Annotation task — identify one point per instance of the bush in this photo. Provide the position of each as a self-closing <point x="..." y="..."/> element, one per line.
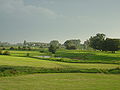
<point x="71" y="47"/>
<point x="11" y="48"/>
<point x="52" y="49"/>
<point x="3" y="48"/>
<point x="19" y="48"/>
<point x="28" y="54"/>
<point x="43" y="51"/>
<point x="6" y="53"/>
<point x="1" y="53"/>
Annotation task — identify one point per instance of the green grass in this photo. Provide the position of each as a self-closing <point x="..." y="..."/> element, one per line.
<point x="61" y="81"/>
<point x="24" y="53"/>
<point x="20" y="70"/>
<point x="26" y="61"/>
<point x="75" y="56"/>
<point x="89" y="56"/>
<point x="10" y="65"/>
<point x="60" y="73"/>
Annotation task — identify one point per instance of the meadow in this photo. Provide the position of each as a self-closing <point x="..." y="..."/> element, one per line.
<point x="73" y="70"/>
<point x="61" y="81"/>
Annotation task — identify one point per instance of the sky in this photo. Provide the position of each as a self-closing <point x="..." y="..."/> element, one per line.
<point x="46" y="20"/>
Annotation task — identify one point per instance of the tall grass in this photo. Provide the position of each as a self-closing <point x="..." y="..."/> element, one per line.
<point x="20" y="70"/>
<point x="89" y="56"/>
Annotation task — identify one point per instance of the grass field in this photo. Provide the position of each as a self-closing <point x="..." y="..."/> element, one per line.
<point x="86" y="73"/>
<point x="26" y="61"/>
<point x="90" y="56"/>
<point x="61" y="81"/>
<point x="75" y="56"/>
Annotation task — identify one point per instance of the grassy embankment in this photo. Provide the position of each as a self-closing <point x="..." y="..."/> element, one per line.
<point x="60" y="73"/>
<point x="75" y="56"/>
<point x="61" y="81"/>
<point x="18" y="63"/>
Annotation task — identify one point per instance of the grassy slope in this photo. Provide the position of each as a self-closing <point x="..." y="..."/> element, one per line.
<point x="77" y="56"/>
<point x="24" y="53"/>
<point x="24" y="61"/>
<point x="69" y="81"/>
<point x="90" y="56"/>
<point x="61" y="81"/>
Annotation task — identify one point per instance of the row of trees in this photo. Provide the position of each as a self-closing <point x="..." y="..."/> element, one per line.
<point x="35" y="44"/>
<point x="97" y="42"/>
<point x="69" y="44"/>
<point x="72" y="44"/>
<point x="100" y="42"/>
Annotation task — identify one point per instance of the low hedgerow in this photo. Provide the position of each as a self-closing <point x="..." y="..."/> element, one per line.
<point x="69" y="60"/>
<point x="20" y="70"/>
<point x="1" y="52"/>
<point x="4" y="53"/>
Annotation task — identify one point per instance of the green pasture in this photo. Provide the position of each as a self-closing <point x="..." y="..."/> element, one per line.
<point x="11" y="65"/>
<point x="77" y="56"/>
<point x="24" y="53"/>
<point x="89" y="56"/>
<point x="61" y="81"/>
<point x="26" y="61"/>
<point x="86" y="73"/>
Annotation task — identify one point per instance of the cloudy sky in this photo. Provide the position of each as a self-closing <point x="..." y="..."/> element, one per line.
<point x="46" y="20"/>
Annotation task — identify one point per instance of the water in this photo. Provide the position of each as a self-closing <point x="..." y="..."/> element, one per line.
<point x="44" y="56"/>
<point x="47" y="57"/>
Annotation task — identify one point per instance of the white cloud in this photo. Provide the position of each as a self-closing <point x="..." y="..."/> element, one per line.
<point x="17" y="7"/>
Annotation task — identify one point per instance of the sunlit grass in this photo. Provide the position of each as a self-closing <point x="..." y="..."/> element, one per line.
<point x="63" y="81"/>
<point x="26" y="61"/>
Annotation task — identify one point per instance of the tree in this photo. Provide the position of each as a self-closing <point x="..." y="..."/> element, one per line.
<point x="111" y="45"/>
<point x="72" y="44"/>
<point x="96" y="41"/>
<point x="3" y="48"/>
<point x="11" y="48"/>
<point x="19" y="48"/>
<point x="25" y="43"/>
<point x="54" y="45"/>
<point x="52" y="49"/>
<point x="86" y="44"/>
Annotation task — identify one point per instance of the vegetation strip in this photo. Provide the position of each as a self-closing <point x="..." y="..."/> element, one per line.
<point x="20" y="70"/>
<point x="69" y="60"/>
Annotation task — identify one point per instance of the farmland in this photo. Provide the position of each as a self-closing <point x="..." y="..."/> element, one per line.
<point x="61" y="81"/>
<point x="59" y="45"/>
<point x="75" y="68"/>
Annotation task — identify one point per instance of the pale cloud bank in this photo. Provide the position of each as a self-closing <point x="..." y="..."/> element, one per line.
<point x="45" y="20"/>
<point x="18" y="8"/>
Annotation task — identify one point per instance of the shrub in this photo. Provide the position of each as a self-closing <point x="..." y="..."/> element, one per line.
<point x="6" y="53"/>
<point x="29" y="48"/>
<point x="3" y="48"/>
<point x="41" y="51"/>
<point x="11" y="48"/>
<point x="19" y="48"/>
<point x="1" y="53"/>
<point x="28" y="54"/>
<point x="52" y="49"/>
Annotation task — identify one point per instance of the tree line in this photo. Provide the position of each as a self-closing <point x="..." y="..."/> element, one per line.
<point x="102" y="43"/>
<point x="97" y="42"/>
